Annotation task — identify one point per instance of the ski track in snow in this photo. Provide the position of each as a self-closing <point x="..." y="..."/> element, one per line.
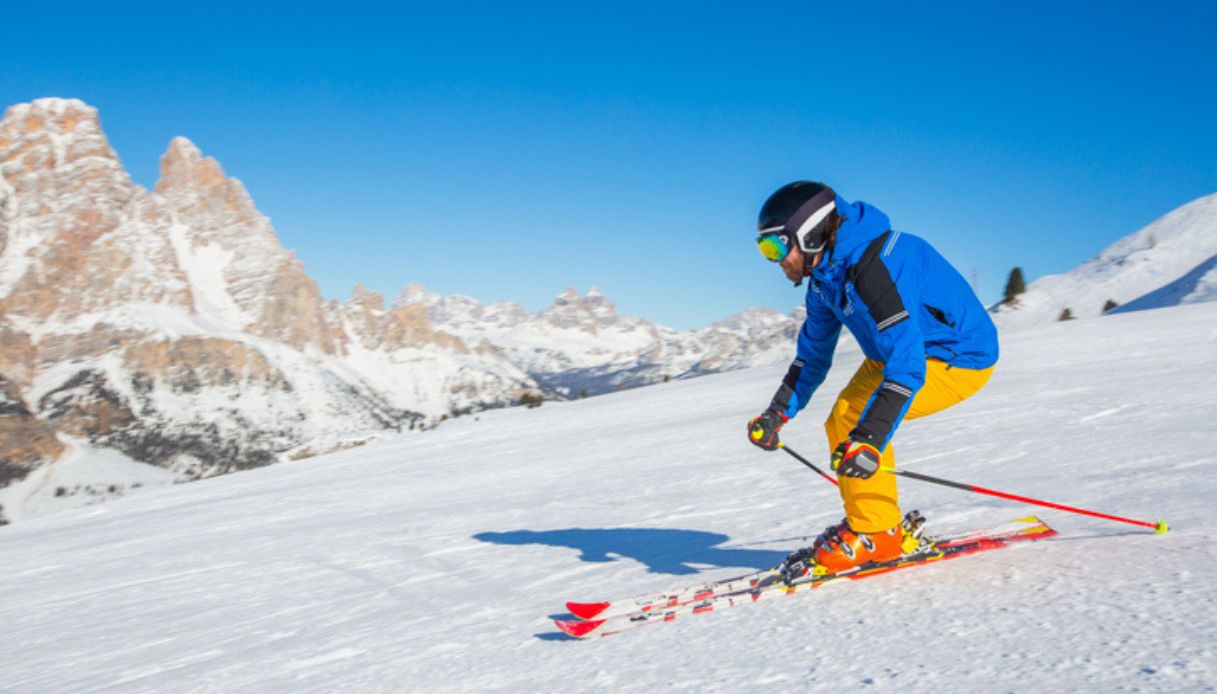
<point x="434" y="561"/>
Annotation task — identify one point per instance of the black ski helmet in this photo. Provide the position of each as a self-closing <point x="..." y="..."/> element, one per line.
<point x="800" y="211"/>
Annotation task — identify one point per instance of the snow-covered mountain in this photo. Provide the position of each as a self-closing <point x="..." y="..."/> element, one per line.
<point x="170" y="328"/>
<point x="1171" y="261"/>
<point x="433" y="562"/>
<point x="581" y="342"/>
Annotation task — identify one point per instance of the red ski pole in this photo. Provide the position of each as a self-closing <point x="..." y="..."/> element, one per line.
<point x="1159" y="527"/>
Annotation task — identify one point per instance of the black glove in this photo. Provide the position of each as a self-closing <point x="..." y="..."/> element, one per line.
<point x="763" y="430"/>
<point x="854" y="459"/>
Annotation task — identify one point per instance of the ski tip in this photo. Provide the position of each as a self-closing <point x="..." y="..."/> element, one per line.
<point x="587" y="610"/>
<point x="1161" y="527"/>
<point x="578" y="629"/>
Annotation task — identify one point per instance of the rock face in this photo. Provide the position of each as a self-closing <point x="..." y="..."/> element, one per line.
<point x="25" y="441"/>
<point x="246" y="275"/>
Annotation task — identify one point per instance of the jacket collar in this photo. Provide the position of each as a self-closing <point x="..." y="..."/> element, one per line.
<point x="861" y="223"/>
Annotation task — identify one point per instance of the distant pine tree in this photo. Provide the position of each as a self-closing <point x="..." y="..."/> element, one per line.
<point x="1066" y="315"/>
<point x="1109" y="305"/>
<point x="1014" y="286"/>
<point x="531" y="400"/>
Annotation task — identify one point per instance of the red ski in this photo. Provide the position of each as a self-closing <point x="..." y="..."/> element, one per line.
<point x="767" y="584"/>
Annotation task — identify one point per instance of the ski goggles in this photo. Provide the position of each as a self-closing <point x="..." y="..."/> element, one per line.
<point x="773" y="245"/>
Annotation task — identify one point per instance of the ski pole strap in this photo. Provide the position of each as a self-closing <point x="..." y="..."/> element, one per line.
<point x="1159" y="527"/>
<point x="808" y="463"/>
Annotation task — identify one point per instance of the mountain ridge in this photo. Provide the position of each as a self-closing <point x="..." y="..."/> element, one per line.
<point x="169" y="326"/>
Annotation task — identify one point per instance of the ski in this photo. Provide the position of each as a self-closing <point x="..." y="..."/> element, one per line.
<point x="660" y="601"/>
<point x="709" y="589"/>
<point x="767" y="584"/>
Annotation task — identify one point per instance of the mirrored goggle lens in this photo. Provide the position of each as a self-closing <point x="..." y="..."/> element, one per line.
<point x="773" y="247"/>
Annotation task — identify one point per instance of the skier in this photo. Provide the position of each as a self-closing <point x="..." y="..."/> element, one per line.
<point x="928" y="343"/>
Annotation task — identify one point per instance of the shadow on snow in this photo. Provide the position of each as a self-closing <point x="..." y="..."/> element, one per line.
<point x="662" y="550"/>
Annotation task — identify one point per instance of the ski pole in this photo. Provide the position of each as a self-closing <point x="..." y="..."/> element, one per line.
<point x="808" y="463"/>
<point x="1159" y="527"/>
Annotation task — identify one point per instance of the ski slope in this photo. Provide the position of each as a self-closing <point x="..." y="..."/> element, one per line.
<point x="433" y="562"/>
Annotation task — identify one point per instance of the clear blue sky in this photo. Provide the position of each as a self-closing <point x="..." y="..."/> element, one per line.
<point x="508" y="150"/>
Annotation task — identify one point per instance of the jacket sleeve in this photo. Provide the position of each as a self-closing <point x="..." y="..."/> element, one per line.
<point x="817" y="342"/>
<point x="885" y="281"/>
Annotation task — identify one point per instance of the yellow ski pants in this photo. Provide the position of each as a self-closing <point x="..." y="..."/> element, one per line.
<point x="871" y="505"/>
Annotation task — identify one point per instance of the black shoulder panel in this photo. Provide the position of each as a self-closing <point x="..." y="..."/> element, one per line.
<point x="876" y="287"/>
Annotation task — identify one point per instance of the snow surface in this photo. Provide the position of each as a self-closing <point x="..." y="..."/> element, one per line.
<point x="434" y="561"/>
<point x="1198" y="285"/>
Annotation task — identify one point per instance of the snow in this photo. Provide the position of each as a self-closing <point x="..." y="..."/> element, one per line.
<point x="1198" y="285"/>
<point x="205" y="269"/>
<point x="86" y="475"/>
<point x="434" y="561"/>
<point x="16" y="258"/>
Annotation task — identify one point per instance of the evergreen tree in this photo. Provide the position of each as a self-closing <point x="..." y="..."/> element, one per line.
<point x="1109" y="305"/>
<point x="1066" y="315"/>
<point x="1014" y="286"/>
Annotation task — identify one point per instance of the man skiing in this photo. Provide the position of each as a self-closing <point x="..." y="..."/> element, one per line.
<point x="928" y="343"/>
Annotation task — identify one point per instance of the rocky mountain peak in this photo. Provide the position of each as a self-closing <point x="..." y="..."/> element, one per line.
<point x="184" y="166"/>
<point x="367" y="300"/>
<point x="74" y="230"/>
<point x="185" y="172"/>
<point x="69" y="129"/>
<point x="414" y="293"/>
<point x="253" y="282"/>
<point x="570" y="310"/>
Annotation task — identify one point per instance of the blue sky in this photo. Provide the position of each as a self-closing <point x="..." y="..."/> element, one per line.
<point x="508" y="150"/>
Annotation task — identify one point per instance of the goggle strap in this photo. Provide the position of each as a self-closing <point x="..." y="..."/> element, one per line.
<point x="811" y="213"/>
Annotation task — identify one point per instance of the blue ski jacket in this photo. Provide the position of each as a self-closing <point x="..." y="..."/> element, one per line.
<point x="902" y="301"/>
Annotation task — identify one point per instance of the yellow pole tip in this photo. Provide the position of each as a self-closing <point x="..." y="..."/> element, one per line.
<point x="1161" y="527"/>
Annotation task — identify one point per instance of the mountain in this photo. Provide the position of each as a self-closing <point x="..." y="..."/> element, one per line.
<point x="581" y="343"/>
<point x="155" y="336"/>
<point x="1168" y="262"/>
<point x="433" y="562"/>
<point x="169" y="328"/>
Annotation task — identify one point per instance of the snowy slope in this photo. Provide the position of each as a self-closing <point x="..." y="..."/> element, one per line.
<point x="1196" y="286"/>
<point x="1170" y="260"/>
<point x="84" y="475"/>
<point x="433" y="561"/>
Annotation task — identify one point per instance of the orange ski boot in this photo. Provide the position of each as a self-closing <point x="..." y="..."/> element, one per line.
<point x="839" y="548"/>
